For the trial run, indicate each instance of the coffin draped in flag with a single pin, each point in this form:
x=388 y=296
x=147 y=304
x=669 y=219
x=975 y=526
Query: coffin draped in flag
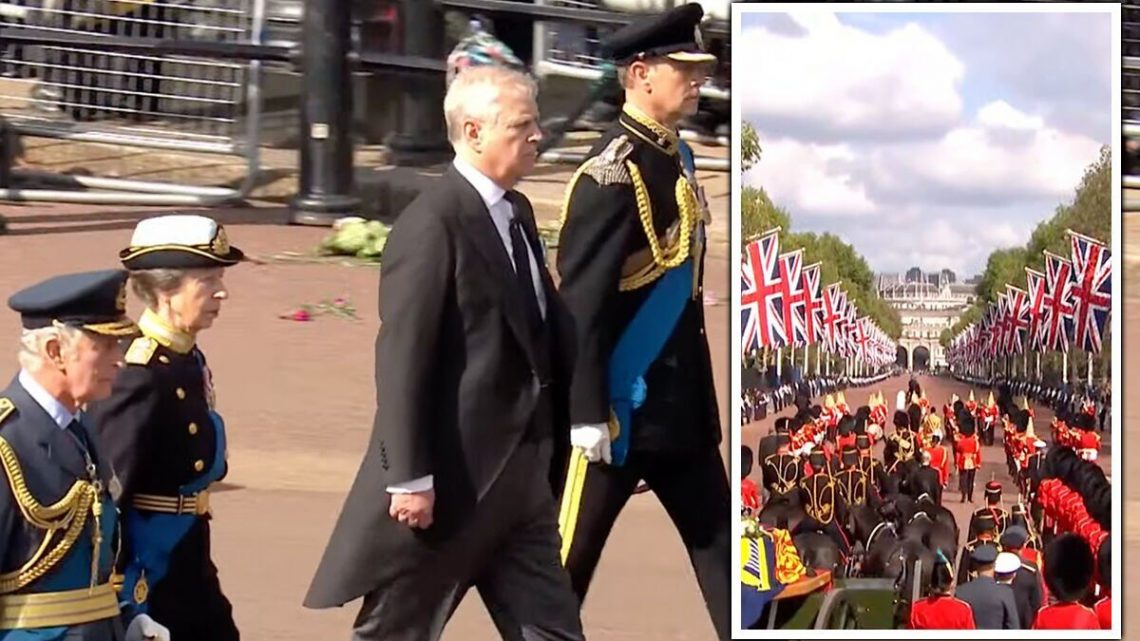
x=769 y=563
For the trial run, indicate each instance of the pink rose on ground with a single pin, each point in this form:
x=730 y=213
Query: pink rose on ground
x=301 y=315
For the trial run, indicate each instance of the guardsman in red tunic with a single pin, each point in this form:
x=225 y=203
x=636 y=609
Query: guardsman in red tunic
x=1068 y=571
x=1088 y=443
x=940 y=610
x=968 y=457
x=939 y=457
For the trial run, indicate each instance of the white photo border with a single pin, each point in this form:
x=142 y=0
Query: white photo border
x=740 y=9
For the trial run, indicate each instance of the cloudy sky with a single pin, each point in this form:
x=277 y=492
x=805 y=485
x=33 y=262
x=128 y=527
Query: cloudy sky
x=920 y=138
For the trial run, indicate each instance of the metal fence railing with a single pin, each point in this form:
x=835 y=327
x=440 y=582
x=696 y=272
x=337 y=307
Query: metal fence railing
x=573 y=50
x=139 y=98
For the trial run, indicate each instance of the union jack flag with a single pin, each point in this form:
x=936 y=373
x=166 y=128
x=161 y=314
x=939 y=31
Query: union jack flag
x=794 y=299
x=831 y=316
x=1036 y=285
x=1018 y=305
x=1058 y=303
x=761 y=323
x=813 y=305
x=1092 y=291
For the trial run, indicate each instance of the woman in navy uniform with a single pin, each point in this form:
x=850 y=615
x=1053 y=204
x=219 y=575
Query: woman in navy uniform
x=57 y=513
x=159 y=428
x=631 y=259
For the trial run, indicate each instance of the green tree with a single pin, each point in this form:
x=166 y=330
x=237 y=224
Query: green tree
x=749 y=147
x=759 y=214
x=1089 y=213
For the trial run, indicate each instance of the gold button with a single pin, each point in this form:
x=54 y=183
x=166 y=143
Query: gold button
x=199 y=465
x=181 y=393
x=163 y=359
x=193 y=428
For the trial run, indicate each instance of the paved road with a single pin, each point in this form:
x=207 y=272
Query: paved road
x=299 y=399
x=938 y=390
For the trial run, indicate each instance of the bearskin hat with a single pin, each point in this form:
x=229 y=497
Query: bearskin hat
x=901 y=420
x=745 y=461
x=1069 y=567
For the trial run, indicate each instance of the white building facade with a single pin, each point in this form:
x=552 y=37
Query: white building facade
x=927 y=304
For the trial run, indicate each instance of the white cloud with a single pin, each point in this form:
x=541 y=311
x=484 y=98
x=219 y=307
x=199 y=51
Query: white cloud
x=1003 y=156
x=840 y=82
x=809 y=179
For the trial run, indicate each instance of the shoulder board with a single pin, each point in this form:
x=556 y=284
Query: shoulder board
x=6 y=408
x=608 y=167
x=141 y=351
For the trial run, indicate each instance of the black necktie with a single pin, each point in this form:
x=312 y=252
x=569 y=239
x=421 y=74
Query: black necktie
x=523 y=276
x=76 y=429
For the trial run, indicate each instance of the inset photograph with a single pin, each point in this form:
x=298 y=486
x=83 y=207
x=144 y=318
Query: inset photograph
x=929 y=273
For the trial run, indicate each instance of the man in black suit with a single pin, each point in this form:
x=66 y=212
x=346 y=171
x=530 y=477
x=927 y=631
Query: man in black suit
x=471 y=434
x=631 y=258
x=58 y=525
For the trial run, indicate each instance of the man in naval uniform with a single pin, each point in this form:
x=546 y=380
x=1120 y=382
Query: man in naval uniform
x=161 y=430
x=631 y=257
x=58 y=521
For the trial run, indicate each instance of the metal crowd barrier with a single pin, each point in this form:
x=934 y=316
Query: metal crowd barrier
x=147 y=99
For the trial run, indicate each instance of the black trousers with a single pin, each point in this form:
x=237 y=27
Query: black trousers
x=693 y=488
x=189 y=599
x=508 y=551
x=966 y=483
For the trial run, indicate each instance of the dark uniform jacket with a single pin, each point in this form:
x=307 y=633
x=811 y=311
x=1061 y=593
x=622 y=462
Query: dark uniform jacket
x=607 y=227
x=993 y=604
x=1027 y=594
x=41 y=463
x=157 y=427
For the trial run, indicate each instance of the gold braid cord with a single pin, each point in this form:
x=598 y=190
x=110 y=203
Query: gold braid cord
x=68 y=515
x=673 y=254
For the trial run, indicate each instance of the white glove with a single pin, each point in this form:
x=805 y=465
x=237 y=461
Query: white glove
x=144 y=628
x=594 y=439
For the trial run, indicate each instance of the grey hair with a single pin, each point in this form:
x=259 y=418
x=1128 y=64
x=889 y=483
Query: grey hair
x=475 y=94
x=147 y=284
x=32 y=341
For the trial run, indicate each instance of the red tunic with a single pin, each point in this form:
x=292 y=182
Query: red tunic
x=750 y=494
x=1066 y=616
x=1104 y=612
x=941 y=613
x=844 y=442
x=968 y=450
x=940 y=460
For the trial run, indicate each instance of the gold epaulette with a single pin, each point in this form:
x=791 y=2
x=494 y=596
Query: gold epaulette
x=6 y=409
x=141 y=350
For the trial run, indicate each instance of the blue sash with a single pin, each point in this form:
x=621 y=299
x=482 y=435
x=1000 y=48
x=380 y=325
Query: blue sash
x=72 y=573
x=644 y=338
x=640 y=345
x=152 y=536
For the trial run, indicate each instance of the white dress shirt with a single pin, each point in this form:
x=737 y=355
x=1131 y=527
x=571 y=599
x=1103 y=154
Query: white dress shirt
x=58 y=413
x=502 y=213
